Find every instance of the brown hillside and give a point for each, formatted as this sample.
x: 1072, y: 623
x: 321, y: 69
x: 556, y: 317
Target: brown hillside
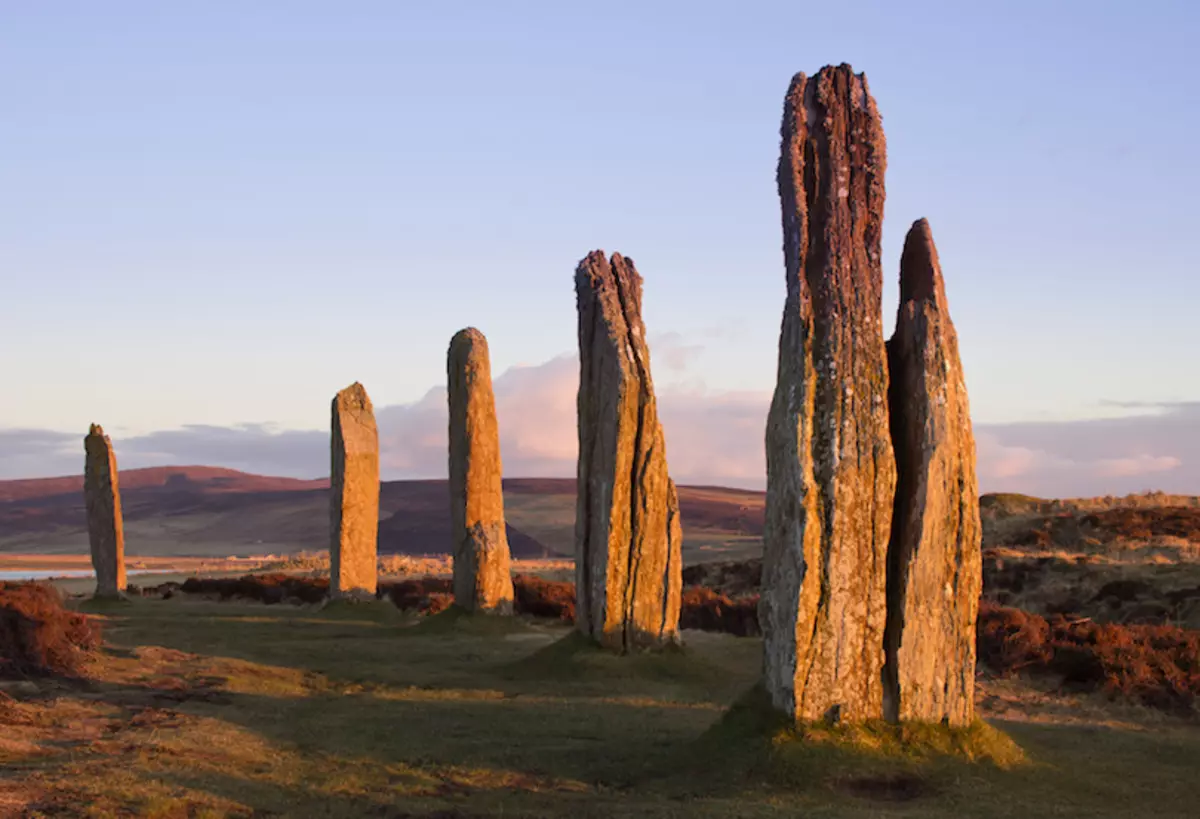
x: 205, y: 479
x: 199, y: 511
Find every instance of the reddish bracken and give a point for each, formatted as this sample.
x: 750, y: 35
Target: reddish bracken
x: 428, y: 595
x: 38, y: 636
x: 544, y: 598
x: 708, y: 610
x: 1156, y: 665
x: 266, y: 588
x: 1010, y: 640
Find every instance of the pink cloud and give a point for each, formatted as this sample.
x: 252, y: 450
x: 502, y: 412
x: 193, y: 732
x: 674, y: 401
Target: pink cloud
x: 1138, y: 465
x: 713, y: 437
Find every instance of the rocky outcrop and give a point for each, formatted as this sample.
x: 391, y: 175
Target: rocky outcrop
x: 934, y: 563
x: 627, y: 531
x: 482, y: 578
x: 354, y: 495
x: 830, y: 467
x: 106, y: 530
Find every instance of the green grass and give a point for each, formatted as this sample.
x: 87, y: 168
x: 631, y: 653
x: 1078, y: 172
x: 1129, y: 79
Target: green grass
x: 105, y: 605
x: 224, y: 709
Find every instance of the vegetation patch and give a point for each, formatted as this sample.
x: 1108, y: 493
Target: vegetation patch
x: 708, y: 610
x: 38, y: 635
x: 265, y: 588
x: 425, y: 595
x: 1158, y: 666
x: 539, y: 597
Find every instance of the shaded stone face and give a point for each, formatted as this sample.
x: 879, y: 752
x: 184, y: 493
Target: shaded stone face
x: 628, y: 571
x: 830, y: 467
x: 482, y: 572
x: 354, y: 495
x: 106, y: 531
x: 934, y: 564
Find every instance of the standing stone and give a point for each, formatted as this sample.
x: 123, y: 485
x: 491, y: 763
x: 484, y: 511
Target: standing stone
x: 354, y: 495
x: 482, y: 578
x: 628, y: 571
x: 106, y: 530
x: 830, y: 468
x: 934, y: 563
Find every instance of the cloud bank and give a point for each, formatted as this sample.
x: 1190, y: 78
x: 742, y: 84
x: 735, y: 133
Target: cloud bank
x: 712, y: 438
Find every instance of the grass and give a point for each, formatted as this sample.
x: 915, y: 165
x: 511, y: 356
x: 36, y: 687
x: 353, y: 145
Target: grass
x: 231, y: 709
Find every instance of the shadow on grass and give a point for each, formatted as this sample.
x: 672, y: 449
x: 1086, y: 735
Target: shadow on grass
x: 456, y: 620
x: 102, y: 605
x: 576, y: 658
x: 373, y: 612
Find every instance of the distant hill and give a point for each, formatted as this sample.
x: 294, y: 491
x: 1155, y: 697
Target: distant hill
x: 202, y: 479
x: 202, y: 511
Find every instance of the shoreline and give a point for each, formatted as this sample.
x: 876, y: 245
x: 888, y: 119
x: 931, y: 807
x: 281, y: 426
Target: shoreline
x: 153, y: 570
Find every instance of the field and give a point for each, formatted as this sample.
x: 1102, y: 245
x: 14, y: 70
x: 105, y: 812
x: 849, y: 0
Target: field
x: 199, y: 708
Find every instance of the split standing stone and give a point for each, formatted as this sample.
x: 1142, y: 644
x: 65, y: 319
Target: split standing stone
x: 628, y: 571
x: 106, y: 530
x: 830, y: 466
x: 354, y: 495
x: 934, y: 564
x: 482, y: 570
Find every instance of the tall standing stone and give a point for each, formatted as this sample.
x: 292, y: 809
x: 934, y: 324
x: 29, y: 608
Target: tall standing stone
x: 106, y: 530
x: 830, y: 467
x: 934, y: 564
x: 354, y: 495
x: 482, y: 573
x: 628, y: 571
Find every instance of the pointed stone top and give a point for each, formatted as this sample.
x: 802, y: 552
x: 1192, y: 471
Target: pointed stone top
x: 96, y: 430
x: 354, y: 398
x: 920, y: 271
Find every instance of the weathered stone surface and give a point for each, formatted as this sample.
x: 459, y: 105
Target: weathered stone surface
x: 934, y: 562
x: 482, y: 574
x: 628, y: 570
x: 106, y: 529
x: 354, y: 495
x: 830, y: 467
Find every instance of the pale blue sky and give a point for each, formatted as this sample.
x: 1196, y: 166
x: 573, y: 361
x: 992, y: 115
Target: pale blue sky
x: 223, y: 212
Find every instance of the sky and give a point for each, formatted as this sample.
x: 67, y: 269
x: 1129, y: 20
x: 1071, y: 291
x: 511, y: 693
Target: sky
x: 215, y: 215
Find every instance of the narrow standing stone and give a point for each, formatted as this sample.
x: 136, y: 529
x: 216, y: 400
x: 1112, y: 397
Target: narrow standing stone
x: 106, y: 530
x: 934, y: 563
x: 482, y: 572
x: 354, y: 495
x: 830, y: 467
x: 628, y: 571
